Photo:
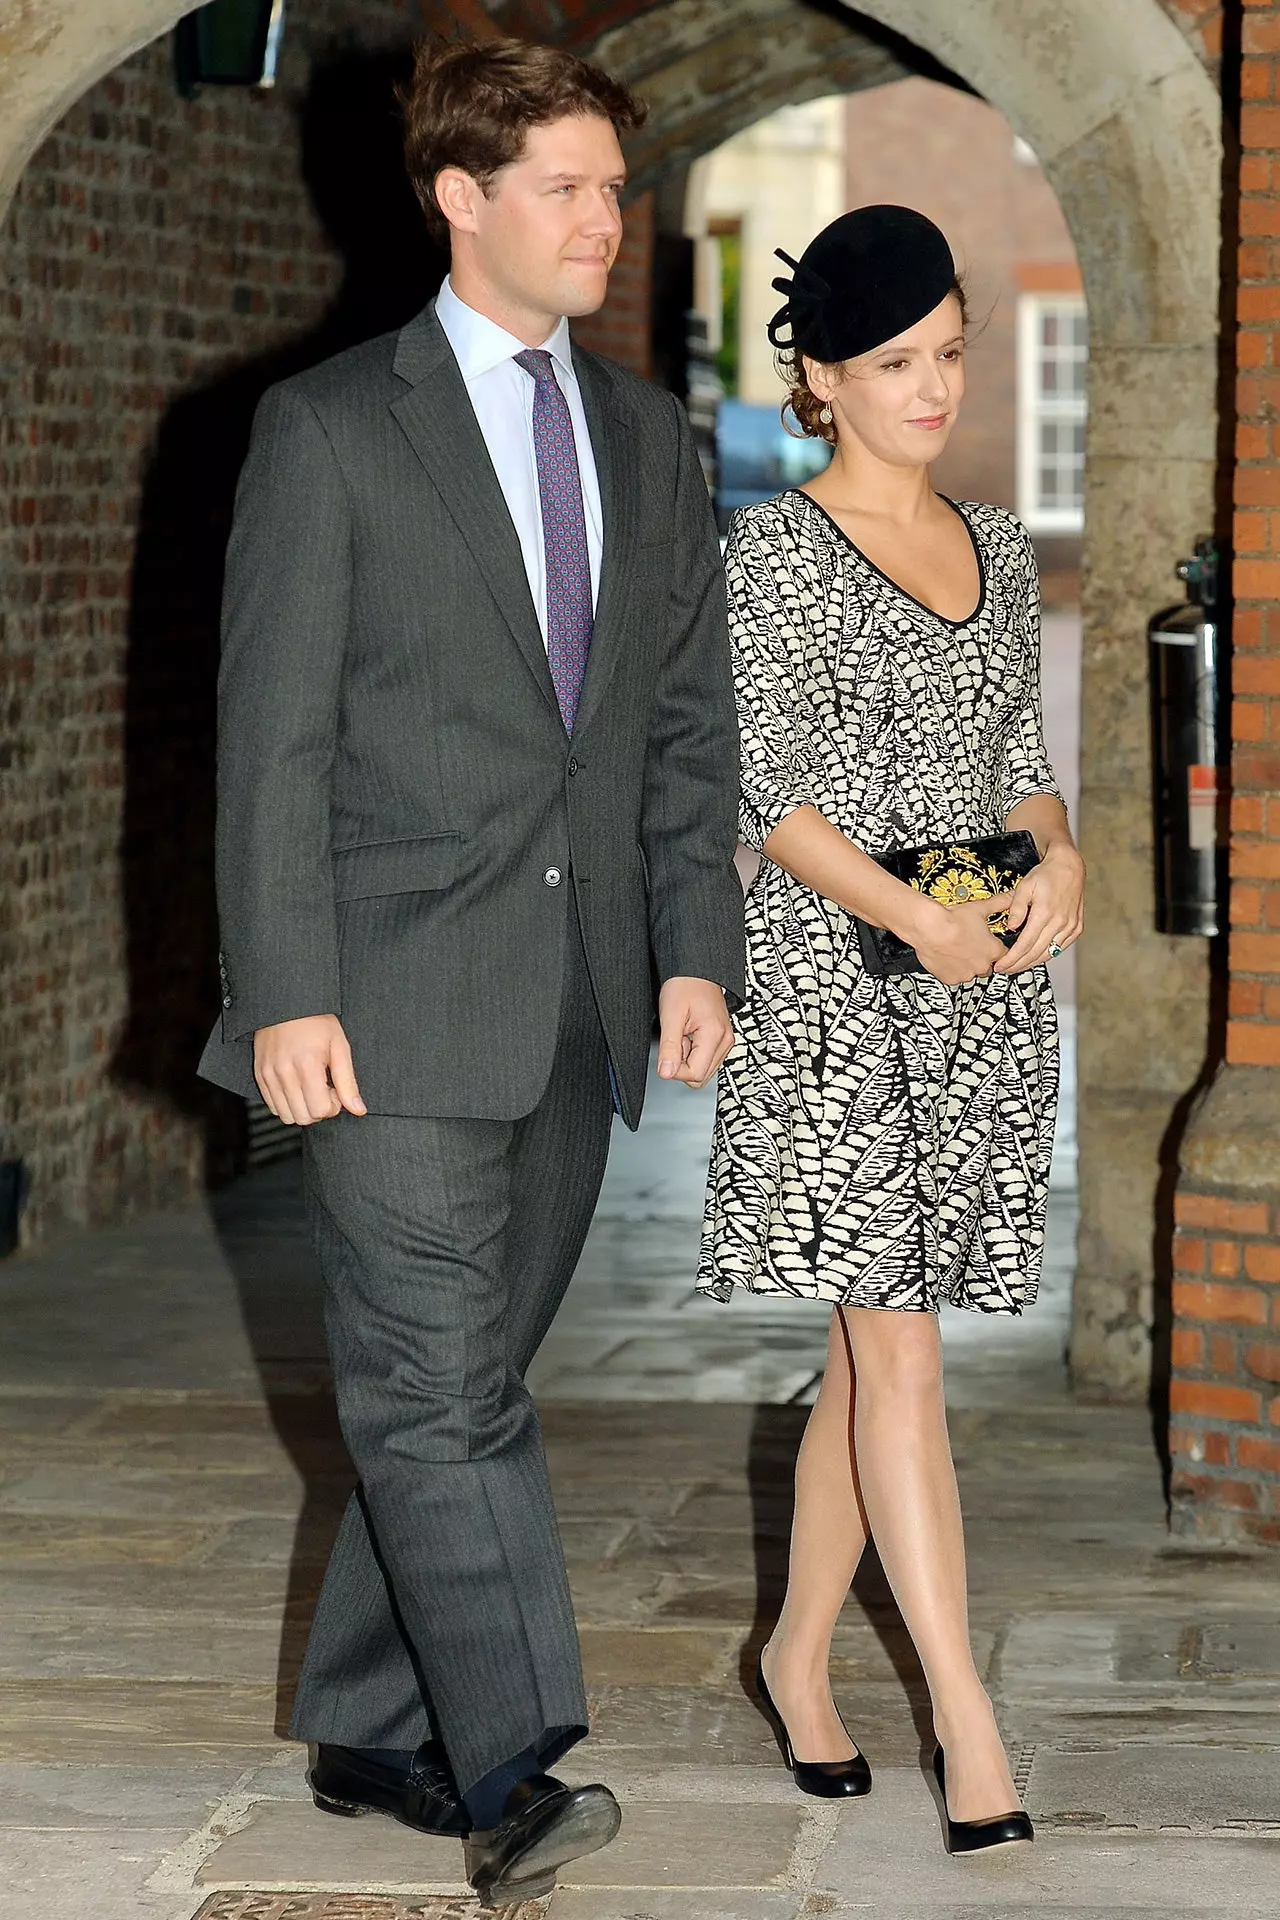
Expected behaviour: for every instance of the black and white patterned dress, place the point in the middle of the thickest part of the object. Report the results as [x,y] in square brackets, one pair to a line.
[879,1142]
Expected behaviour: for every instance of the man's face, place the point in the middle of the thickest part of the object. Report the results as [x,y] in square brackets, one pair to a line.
[547,232]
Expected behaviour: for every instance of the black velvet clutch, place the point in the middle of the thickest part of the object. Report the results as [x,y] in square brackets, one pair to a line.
[950,872]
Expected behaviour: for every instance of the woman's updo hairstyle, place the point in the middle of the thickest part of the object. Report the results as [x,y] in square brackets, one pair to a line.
[868,276]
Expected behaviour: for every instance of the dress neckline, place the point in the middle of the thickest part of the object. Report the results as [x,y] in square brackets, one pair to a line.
[898,588]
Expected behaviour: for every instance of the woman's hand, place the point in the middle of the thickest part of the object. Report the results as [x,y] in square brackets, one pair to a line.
[955,944]
[1047,910]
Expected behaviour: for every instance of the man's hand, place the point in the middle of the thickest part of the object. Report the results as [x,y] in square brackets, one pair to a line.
[304,1071]
[695,1032]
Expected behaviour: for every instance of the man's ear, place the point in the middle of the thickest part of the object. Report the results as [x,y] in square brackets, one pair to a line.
[457,194]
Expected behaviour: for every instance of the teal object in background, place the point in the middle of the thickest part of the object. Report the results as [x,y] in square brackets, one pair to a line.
[229,43]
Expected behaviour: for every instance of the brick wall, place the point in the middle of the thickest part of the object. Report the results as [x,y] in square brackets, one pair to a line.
[162,262]
[1225,1386]
[623,328]
[1224,1432]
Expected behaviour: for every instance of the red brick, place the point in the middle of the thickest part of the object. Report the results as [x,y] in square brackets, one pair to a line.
[1224,1259]
[1226,1216]
[1257,81]
[1238,1495]
[1252,1045]
[1239,1306]
[1261,1454]
[1256,952]
[1263,1361]
[1263,1263]
[1251,531]
[1257,675]
[1187,1349]
[1245,908]
[1258,579]
[1257,767]
[1188,1254]
[1245,999]
[1254,859]
[1224,1358]
[1213,1449]
[1261,34]
[1247,812]
[1215,1402]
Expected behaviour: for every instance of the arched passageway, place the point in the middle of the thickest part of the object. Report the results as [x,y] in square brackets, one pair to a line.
[1124,117]
[1117,103]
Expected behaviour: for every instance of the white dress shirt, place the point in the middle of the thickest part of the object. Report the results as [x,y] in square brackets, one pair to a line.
[502,396]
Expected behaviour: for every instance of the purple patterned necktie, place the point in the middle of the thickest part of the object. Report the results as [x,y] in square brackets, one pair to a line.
[570,616]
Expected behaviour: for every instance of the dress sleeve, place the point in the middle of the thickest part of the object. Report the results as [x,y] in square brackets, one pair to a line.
[1026,768]
[780,769]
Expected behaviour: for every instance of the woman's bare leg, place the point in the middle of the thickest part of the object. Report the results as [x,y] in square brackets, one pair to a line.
[909,1495]
[828,1534]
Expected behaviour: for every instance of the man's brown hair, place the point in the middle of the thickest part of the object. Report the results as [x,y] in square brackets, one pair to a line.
[472,107]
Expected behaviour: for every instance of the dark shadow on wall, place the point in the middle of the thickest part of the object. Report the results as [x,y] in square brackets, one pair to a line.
[1171,1146]
[352,166]
[351,163]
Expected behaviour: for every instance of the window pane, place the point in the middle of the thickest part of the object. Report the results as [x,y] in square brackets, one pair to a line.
[1049,327]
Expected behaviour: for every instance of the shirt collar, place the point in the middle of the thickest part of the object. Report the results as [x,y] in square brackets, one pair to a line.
[480,344]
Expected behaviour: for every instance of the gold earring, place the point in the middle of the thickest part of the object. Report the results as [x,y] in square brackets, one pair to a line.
[826,416]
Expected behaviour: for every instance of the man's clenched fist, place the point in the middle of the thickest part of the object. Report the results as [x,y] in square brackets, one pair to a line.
[304,1071]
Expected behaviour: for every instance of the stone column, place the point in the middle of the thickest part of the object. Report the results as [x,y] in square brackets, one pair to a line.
[1225,1387]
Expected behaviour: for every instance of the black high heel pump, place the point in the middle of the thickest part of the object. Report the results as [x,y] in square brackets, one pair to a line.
[825,1779]
[974,1836]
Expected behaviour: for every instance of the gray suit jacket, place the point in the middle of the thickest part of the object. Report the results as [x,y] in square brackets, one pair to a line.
[404,828]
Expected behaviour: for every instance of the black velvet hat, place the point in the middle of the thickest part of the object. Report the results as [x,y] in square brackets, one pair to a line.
[867,277]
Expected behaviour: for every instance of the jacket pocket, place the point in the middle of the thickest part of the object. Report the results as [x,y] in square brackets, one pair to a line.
[396,866]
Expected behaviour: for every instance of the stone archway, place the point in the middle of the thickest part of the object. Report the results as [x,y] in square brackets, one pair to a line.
[1125,120]
[52,51]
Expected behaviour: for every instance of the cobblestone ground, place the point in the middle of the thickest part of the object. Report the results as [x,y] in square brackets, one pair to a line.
[170,1474]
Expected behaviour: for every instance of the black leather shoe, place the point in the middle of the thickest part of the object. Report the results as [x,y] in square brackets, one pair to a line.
[346,1781]
[974,1836]
[544,1825]
[825,1779]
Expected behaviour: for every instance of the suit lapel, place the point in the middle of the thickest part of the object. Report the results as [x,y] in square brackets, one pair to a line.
[437,418]
[610,424]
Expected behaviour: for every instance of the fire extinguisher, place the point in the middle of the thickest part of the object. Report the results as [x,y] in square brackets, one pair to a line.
[1189,758]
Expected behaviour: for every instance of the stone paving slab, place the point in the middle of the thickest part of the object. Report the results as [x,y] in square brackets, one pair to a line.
[288,1844]
[1150,1786]
[648,1904]
[345,1906]
[888,1851]
[55,1876]
[68,1797]
[135,1722]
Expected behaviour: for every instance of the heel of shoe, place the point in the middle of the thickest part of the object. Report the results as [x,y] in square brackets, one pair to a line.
[344,1809]
[961,1837]
[775,1719]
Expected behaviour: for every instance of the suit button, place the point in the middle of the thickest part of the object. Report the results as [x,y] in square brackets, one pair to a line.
[226,999]
[573,767]
[552,877]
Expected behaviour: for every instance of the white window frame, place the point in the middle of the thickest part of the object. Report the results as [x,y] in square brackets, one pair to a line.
[1033,408]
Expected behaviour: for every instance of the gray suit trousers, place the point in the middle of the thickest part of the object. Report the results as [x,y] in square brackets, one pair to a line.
[446,1247]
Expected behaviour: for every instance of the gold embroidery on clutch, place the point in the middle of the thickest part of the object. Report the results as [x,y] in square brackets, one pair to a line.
[953,875]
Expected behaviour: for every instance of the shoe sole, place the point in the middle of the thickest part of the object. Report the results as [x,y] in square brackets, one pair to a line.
[583,1827]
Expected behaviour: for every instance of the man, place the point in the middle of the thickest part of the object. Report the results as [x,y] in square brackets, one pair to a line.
[477,777]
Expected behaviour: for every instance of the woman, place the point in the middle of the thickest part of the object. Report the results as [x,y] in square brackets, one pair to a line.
[883,1138]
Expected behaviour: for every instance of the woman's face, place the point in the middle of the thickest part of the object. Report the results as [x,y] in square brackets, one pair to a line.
[901,401]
